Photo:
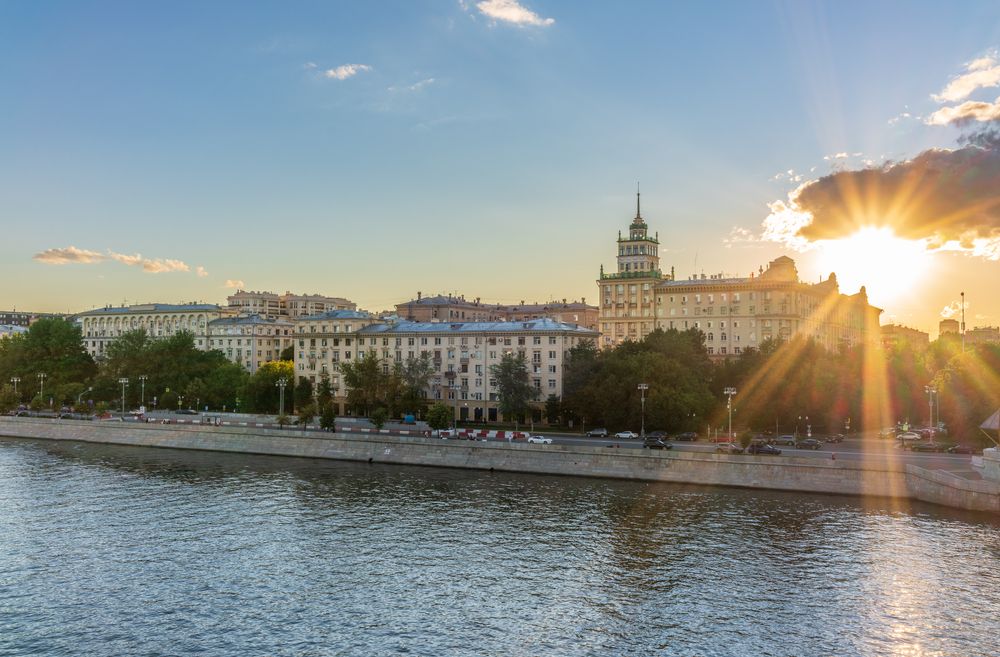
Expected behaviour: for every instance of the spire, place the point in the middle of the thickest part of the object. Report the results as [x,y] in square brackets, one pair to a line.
[638,215]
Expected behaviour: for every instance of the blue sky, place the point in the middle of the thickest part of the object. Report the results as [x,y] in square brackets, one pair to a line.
[461,151]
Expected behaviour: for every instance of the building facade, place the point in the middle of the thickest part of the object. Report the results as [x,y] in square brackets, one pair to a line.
[733,313]
[101,326]
[983,335]
[894,335]
[456,308]
[627,296]
[20,318]
[250,340]
[272,306]
[323,341]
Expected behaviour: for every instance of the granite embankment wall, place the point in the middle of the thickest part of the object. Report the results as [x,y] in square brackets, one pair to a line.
[814,475]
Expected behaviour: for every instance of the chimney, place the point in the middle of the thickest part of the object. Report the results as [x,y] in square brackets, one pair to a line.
[564,301]
[418,295]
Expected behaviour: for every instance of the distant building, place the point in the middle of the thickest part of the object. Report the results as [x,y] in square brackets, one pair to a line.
[250,340]
[19,318]
[272,306]
[733,313]
[896,335]
[983,335]
[101,326]
[453,308]
[8,330]
[325,340]
[948,326]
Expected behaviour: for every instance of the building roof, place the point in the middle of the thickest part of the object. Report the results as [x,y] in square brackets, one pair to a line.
[153,308]
[704,281]
[535,325]
[339,314]
[244,320]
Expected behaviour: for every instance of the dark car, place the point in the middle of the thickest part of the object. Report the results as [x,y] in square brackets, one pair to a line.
[728,448]
[764,449]
[655,443]
[961,449]
[787,439]
[808,443]
[659,435]
[926,447]
[687,436]
[185,411]
[835,438]
[598,433]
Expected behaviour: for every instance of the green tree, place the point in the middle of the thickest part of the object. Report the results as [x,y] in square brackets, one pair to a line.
[262,393]
[288,353]
[328,418]
[8,400]
[306,414]
[303,392]
[50,346]
[415,374]
[366,382]
[324,393]
[514,388]
[439,416]
[379,417]
[553,409]
[167,401]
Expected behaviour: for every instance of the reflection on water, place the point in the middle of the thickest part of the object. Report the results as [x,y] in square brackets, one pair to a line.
[117,551]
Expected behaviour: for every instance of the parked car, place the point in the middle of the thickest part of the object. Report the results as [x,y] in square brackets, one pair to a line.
[655,443]
[888,432]
[787,439]
[598,433]
[961,449]
[659,435]
[764,449]
[808,443]
[926,447]
[539,440]
[687,435]
[835,438]
[626,435]
[728,448]
[907,437]
[185,411]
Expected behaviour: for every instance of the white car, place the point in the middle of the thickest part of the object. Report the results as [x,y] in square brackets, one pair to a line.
[626,435]
[539,440]
[907,437]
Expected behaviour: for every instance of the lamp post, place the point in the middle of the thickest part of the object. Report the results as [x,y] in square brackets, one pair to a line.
[930,390]
[643,387]
[281,383]
[124,383]
[180,400]
[15,380]
[142,393]
[41,385]
[79,398]
[729,392]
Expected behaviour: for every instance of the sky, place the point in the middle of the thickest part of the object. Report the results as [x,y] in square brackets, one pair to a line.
[177,151]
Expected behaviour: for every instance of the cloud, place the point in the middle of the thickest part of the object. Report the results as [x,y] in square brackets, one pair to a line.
[234,284]
[416,86]
[345,71]
[953,309]
[979,74]
[200,271]
[73,255]
[741,237]
[69,255]
[967,112]
[511,11]
[947,199]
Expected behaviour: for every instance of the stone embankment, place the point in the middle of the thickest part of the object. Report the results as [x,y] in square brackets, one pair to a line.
[804,474]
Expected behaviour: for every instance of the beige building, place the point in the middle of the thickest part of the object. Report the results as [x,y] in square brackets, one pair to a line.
[948,327]
[250,340]
[627,296]
[272,306]
[455,308]
[894,334]
[983,335]
[103,325]
[460,352]
[733,313]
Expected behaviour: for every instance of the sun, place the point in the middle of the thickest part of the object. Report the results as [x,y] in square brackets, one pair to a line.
[889,267]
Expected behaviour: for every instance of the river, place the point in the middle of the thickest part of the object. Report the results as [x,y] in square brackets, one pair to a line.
[117,551]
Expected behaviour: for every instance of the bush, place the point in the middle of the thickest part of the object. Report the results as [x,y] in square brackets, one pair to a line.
[328,418]
[378,417]
[439,416]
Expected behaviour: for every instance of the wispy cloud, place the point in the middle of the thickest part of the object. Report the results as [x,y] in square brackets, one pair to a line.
[953,309]
[234,284]
[345,71]
[73,255]
[416,86]
[741,237]
[512,12]
[200,271]
[979,74]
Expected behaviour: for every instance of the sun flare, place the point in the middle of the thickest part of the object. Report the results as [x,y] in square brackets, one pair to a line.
[888,266]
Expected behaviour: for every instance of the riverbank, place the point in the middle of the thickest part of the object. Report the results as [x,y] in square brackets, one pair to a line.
[857,478]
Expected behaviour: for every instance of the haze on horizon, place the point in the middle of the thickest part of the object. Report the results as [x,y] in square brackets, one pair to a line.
[491,148]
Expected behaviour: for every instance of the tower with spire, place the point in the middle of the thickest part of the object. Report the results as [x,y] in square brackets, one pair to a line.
[639,252]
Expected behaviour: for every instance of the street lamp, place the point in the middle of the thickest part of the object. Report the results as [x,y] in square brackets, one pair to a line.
[931,391]
[142,394]
[41,385]
[15,380]
[729,392]
[79,398]
[643,387]
[124,383]
[281,383]
[180,400]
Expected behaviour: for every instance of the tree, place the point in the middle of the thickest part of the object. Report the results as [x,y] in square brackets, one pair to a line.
[262,393]
[324,393]
[415,374]
[514,388]
[366,382]
[168,400]
[50,346]
[553,409]
[288,353]
[306,414]
[439,416]
[8,400]
[303,392]
[328,418]
[379,417]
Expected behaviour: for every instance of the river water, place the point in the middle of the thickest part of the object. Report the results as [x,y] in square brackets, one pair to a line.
[129,551]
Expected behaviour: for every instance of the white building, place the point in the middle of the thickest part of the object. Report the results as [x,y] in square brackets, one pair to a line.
[101,326]
[250,340]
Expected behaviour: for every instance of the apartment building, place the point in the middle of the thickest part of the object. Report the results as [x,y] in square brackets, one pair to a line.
[323,341]
[273,306]
[456,308]
[101,326]
[896,335]
[250,340]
